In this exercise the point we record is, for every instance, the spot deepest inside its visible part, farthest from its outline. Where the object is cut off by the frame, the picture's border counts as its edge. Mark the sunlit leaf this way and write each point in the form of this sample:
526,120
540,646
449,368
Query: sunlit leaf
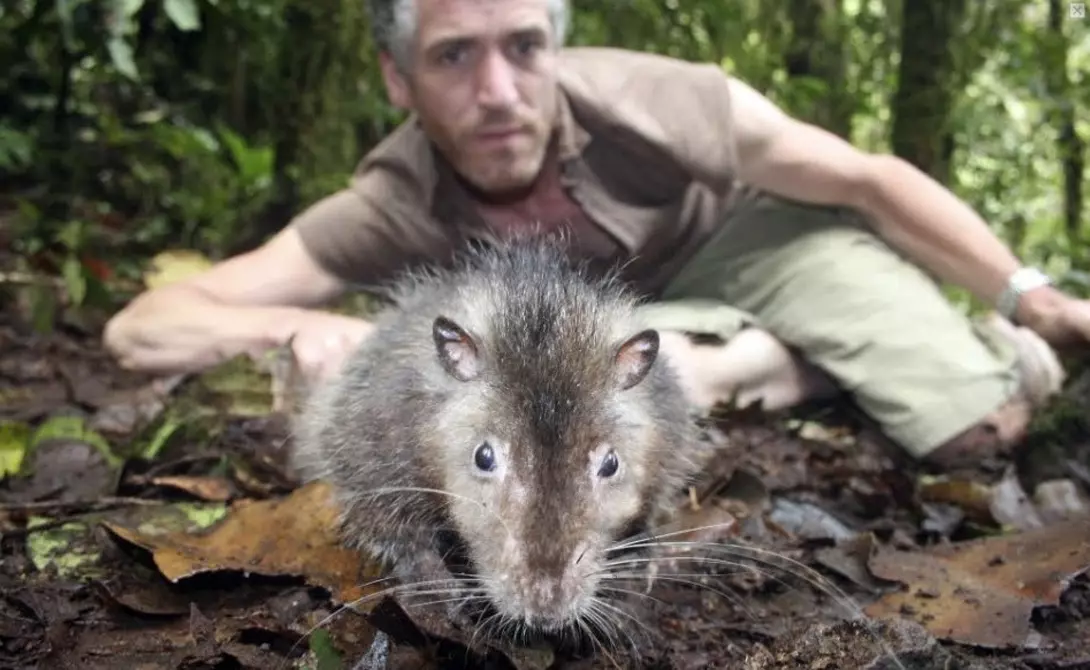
171,266
73,428
64,13
14,440
183,14
122,56
69,548
325,653
75,279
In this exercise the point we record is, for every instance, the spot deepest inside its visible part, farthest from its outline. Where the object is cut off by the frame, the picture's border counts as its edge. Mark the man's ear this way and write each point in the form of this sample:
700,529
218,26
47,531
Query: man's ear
396,87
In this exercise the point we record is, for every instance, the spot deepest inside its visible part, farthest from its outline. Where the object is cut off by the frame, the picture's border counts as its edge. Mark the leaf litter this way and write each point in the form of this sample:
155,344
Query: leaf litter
153,525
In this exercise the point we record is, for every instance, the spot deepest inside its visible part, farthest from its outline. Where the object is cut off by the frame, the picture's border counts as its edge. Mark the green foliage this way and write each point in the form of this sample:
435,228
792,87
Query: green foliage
209,123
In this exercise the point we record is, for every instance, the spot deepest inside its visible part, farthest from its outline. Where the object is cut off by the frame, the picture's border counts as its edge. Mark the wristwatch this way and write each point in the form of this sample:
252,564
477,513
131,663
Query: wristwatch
1021,280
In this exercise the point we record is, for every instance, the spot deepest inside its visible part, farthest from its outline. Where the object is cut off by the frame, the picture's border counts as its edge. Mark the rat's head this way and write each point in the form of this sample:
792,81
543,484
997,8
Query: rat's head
548,442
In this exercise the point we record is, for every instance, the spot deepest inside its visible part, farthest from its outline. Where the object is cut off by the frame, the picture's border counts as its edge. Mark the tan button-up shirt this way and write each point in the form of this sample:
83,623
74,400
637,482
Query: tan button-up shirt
645,150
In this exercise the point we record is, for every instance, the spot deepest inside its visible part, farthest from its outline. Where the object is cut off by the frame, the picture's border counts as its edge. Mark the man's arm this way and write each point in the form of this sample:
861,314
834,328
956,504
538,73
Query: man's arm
247,303
910,210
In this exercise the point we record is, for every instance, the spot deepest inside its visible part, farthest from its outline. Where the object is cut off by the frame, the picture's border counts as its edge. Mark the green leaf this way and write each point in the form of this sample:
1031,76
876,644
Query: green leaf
69,548
14,438
43,308
64,13
122,56
16,148
183,14
159,440
75,279
129,8
326,654
74,428
119,17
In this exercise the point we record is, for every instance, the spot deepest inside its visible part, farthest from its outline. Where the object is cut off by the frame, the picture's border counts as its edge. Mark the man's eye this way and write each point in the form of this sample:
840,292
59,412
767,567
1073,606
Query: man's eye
526,46
453,55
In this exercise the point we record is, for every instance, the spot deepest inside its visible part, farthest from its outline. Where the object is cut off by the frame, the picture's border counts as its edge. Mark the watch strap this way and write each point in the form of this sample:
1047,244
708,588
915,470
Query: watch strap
1021,280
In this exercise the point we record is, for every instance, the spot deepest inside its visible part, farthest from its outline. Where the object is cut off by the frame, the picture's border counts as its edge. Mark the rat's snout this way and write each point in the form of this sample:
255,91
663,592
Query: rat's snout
554,590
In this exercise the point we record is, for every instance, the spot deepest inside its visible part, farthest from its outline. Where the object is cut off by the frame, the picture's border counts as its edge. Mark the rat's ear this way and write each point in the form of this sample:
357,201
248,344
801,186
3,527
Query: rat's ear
456,348
635,357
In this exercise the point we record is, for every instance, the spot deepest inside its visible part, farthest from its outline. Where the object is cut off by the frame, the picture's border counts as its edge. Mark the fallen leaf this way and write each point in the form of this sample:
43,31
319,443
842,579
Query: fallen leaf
31,619
983,592
173,265
14,439
65,470
974,498
125,412
1059,499
214,489
146,594
68,549
838,436
159,440
325,654
74,428
849,559
291,536
1011,506
287,381
808,521
239,387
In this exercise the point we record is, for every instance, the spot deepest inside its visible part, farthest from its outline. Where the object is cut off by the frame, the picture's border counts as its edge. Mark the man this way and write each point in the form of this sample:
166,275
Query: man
742,222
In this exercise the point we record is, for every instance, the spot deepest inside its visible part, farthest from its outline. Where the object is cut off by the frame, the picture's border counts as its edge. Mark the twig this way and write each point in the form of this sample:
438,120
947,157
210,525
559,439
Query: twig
114,285
27,530
76,506
30,279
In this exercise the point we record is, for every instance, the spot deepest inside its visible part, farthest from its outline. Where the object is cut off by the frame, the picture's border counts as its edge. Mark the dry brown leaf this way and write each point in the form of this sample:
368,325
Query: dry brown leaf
291,536
983,592
212,489
974,498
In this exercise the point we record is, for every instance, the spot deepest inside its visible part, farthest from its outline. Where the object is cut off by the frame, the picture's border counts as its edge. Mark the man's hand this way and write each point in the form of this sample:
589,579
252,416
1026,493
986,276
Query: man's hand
321,341
1063,321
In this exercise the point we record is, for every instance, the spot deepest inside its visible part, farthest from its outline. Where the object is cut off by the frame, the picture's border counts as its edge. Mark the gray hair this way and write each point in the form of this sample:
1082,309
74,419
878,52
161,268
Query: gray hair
393,24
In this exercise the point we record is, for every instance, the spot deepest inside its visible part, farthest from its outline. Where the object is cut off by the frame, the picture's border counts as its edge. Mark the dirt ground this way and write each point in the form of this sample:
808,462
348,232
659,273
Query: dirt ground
149,523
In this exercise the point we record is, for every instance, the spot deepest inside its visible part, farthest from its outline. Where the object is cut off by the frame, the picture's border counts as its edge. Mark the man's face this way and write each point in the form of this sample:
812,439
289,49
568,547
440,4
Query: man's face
483,83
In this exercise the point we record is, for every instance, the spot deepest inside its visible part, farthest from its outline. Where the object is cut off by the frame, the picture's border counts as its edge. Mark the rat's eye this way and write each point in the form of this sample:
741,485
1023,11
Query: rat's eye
609,465
484,458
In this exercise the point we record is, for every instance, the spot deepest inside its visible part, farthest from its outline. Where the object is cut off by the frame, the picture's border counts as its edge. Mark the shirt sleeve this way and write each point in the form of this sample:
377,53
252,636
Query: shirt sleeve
355,240
683,109
367,233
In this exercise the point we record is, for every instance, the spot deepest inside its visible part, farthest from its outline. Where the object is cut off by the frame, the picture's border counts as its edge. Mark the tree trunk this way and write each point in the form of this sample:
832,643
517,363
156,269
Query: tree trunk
925,93
817,52
1072,148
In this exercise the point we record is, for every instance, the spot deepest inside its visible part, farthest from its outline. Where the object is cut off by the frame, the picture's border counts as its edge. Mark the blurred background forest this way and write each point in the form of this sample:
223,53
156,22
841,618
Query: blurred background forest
131,126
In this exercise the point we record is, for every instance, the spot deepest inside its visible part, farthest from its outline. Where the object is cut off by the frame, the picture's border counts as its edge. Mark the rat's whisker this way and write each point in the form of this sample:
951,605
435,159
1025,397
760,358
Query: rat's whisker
650,537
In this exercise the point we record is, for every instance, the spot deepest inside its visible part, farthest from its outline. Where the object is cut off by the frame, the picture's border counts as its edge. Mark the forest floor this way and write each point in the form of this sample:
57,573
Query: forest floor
150,523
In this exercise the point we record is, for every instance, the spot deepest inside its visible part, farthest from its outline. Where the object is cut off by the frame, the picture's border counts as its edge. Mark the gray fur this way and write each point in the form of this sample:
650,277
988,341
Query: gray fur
544,391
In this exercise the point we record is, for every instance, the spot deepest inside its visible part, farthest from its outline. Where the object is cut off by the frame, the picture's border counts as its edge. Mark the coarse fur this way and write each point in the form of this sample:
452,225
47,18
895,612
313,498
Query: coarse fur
485,413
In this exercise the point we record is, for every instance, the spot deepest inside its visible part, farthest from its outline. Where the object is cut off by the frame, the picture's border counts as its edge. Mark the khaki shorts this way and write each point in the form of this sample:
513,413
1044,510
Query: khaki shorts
821,282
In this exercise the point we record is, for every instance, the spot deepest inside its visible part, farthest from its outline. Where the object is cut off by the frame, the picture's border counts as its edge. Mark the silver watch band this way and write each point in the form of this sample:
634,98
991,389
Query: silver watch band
1021,280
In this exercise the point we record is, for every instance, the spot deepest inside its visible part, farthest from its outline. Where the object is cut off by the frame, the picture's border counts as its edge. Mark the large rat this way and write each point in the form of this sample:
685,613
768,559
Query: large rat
512,410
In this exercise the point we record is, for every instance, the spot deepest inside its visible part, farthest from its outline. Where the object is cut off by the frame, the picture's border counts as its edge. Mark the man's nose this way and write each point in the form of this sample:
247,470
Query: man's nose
496,82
